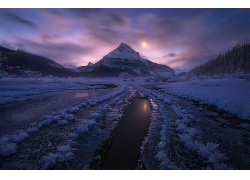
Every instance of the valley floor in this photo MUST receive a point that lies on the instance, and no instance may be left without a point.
(70, 123)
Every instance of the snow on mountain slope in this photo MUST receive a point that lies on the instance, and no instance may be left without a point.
(125, 59)
(124, 52)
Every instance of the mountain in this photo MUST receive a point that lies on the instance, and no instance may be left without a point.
(235, 60)
(25, 64)
(84, 68)
(125, 59)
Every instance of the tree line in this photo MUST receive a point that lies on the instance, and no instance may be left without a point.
(234, 60)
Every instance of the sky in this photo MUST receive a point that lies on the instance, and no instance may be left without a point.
(177, 37)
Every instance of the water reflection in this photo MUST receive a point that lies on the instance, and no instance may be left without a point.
(145, 106)
(80, 95)
(132, 129)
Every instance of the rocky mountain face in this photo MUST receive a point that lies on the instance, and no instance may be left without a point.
(125, 59)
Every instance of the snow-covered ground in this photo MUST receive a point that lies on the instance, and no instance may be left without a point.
(232, 95)
(65, 119)
(13, 89)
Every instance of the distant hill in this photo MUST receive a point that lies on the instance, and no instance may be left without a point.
(235, 60)
(22, 63)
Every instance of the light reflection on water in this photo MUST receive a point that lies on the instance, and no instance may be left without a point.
(132, 129)
(80, 95)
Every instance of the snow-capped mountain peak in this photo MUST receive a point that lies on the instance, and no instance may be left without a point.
(90, 64)
(124, 51)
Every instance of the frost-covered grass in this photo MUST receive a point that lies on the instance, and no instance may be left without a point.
(190, 136)
(157, 115)
(61, 117)
(8, 144)
(86, 127)
(232, 95)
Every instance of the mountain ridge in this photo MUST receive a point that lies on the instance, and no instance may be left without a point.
(125, 59)
(122, 59)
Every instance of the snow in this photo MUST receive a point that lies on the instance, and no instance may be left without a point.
(70, 117)
(190, 136)
(124, 52)
(19, 137)
(232, 95)
(64, 149)
(50, 160)
(62, 122)
(62, 156)
(32, 129)
(44, 123)
(83, 128)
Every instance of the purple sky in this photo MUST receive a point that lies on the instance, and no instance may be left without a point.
(179, 38)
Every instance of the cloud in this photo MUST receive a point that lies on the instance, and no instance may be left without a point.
(17, 19)
(170, 55)
(64, 52)
(46, 37)
(189, 36)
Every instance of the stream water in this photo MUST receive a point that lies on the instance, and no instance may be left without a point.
(132, 129)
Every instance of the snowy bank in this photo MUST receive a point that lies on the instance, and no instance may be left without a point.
(232, 95)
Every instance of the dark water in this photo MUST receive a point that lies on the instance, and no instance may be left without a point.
(132, 129)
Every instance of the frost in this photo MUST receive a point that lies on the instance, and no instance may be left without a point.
(89, 123)
(32, 129)
(82, 128)
(62, 122)
(55, 118)
(7, 149)
(4, 140)
(50, 160)
(19, 137)
(73, 136)
(69, 117)
(95, 116)
(167, 101)
(73, 110)
(64, 149)
(44, 123)
(165, 162)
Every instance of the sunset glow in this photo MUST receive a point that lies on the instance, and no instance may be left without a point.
(144, 44)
